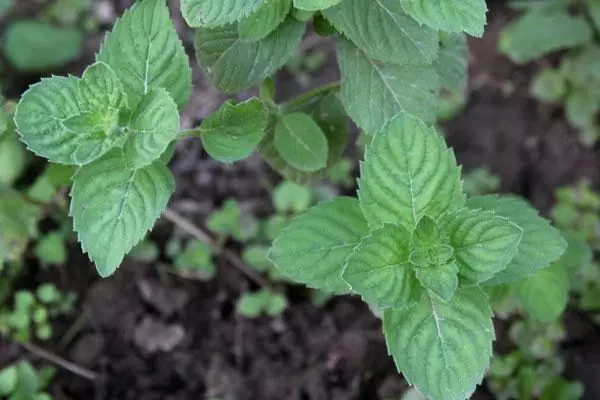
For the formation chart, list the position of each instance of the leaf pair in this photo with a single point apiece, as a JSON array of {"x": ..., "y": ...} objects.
[
  {"x": 413, "y": 244},
  {"x": 115, "y": 123}
]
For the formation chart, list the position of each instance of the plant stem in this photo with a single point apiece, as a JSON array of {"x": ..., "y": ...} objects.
[
  {"x": 61, "y": 362},
  {"x": 185, "y": 225},
  {"x": 311, "y": 94}
]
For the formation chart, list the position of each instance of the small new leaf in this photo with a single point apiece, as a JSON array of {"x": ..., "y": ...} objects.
[
  {"x": 152, "y": 126},
  {"x": 233, "y": 132},
  {"x": 484, "y": 243},
  {"x": 145, "y": 52},
  {"x": 213, "y": 13},
  {"x": 301, "y": 142},
  {"x": 441, "y": 280},
  {"x": 408, "y": 172},
  {"x": 442, "y": 348},
  {"x": 53, "y": 125},
  {"x": 541, "y": 244},
  {"x": 114, "y": 207},
  {"x": 382, "y": 30},
  {"x": 380, "y": 271},
  {"x": 100, "y": 91},
  {"x": 374, "y": 92},
  {"x": 450, "y": 16},
  {"x": 234, "y": 63},
  {"x": 312, "y": 249}
]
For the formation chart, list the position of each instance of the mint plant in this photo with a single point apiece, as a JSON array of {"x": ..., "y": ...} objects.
[{"x": 412, "y": 244}]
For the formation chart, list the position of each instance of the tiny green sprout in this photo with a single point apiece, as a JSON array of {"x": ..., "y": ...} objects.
[
  {"x": 291, "y": 198},
  {"x": 253, "y": 305},
  {"x": 231, "y": 221},
  {"x": 21, "y": 381},
  {"x": 196, "y": 261},
  {"x": 51, "y": 249}
]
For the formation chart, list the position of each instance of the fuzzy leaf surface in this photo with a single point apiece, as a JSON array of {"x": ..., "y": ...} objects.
[
  {"x": 313, "y": 248},
  {"x": 152, "y": 126},
  {"x": 52, "y": 124},
  {"x": 145, "y": 52},
  {"x": 442, "y": 348},
  {"x": 234, "y": 63},
  {"x": 301, "y": 142},
  {"x": 213, "y": 13},
  {"x": 233, "y": 132},
  {"x": 390, "y": 89},
  {"x": 101, "y": 91},
  {"x": 450, "y": 16},
  {"x": 113, "y": 207},
  {"x": 265, "y": 19},
  {"x": 383, "y": 31},
  {"x": 441, "y": 280},
  {"x": 408, "y": 172},
  {"x": 541, "y": 244},
  {"x": 484, "y": 243},
  {"x": 379, "y": 269}
]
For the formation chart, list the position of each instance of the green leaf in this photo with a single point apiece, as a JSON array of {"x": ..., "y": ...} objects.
[
  {"x": 101, "y": 92},
  {"x": 234, "y": 63},
  {"x": 50, "y": 249},
  {"x": 441, "y": 280},
  {"x": 18, "y": 223},
  {"x": 289, "y": 197},
  {"x": 233, "y": 132},
  {"x": 578, "y": 255},
  {"x": 379, "y": 270},
  {"x": 451, "y": 16},
  {"x": 152, "y": 127},
  {"x": 145, "y": 52},
  {"x": 40, "y": 116},
  {"x": 594, "y": 10},
  {"x": 265, "y": 19},
  {"x": 408, "y": 172},
  {"x": 9, "y": 377},
  {"x": 315, "y": 5},
  {"x": 561, "y": 389},
  {"x": 389, "y": 89},
  {"x": 213, "y": 13},
  {"x": 39, "y": 46},
  {"x": 328, "y": 113},
  {"x": 313, "y": 248},
  {"x": 540, "y": 32},
  {"x": 12, "y": 159},
  {"x": 442, "y": 348},
  {"x": 484, "y": 243},
  {"x": 251, "y": 305},
  {"x": 544, "y": 295},
  {"x": 452, "y": 63},
  {"x": 197, "y": 259},
  {"x": 382, "y": 30},
  {"x": 301, "y": 142},
  {"x": 541, "y": 244},
  {"x": 114, "y": 207},
  {"x": 277, "y": 303},
  {"x": 548, "y": 85},
  {"x": 581, "y": 107}
]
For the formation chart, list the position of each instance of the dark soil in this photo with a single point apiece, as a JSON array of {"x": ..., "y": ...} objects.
[{"x": 150, "y": 336}]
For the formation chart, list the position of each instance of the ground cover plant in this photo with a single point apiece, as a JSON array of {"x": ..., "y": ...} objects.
[{"x": 428, "y": 256}]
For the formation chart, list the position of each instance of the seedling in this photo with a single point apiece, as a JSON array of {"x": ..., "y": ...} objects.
[
  {"x": 547, "y": 27},
  {"x": 21, "y": 381}
]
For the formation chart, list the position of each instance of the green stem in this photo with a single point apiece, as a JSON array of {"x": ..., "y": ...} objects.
[{"x": 311, "y": 94}]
